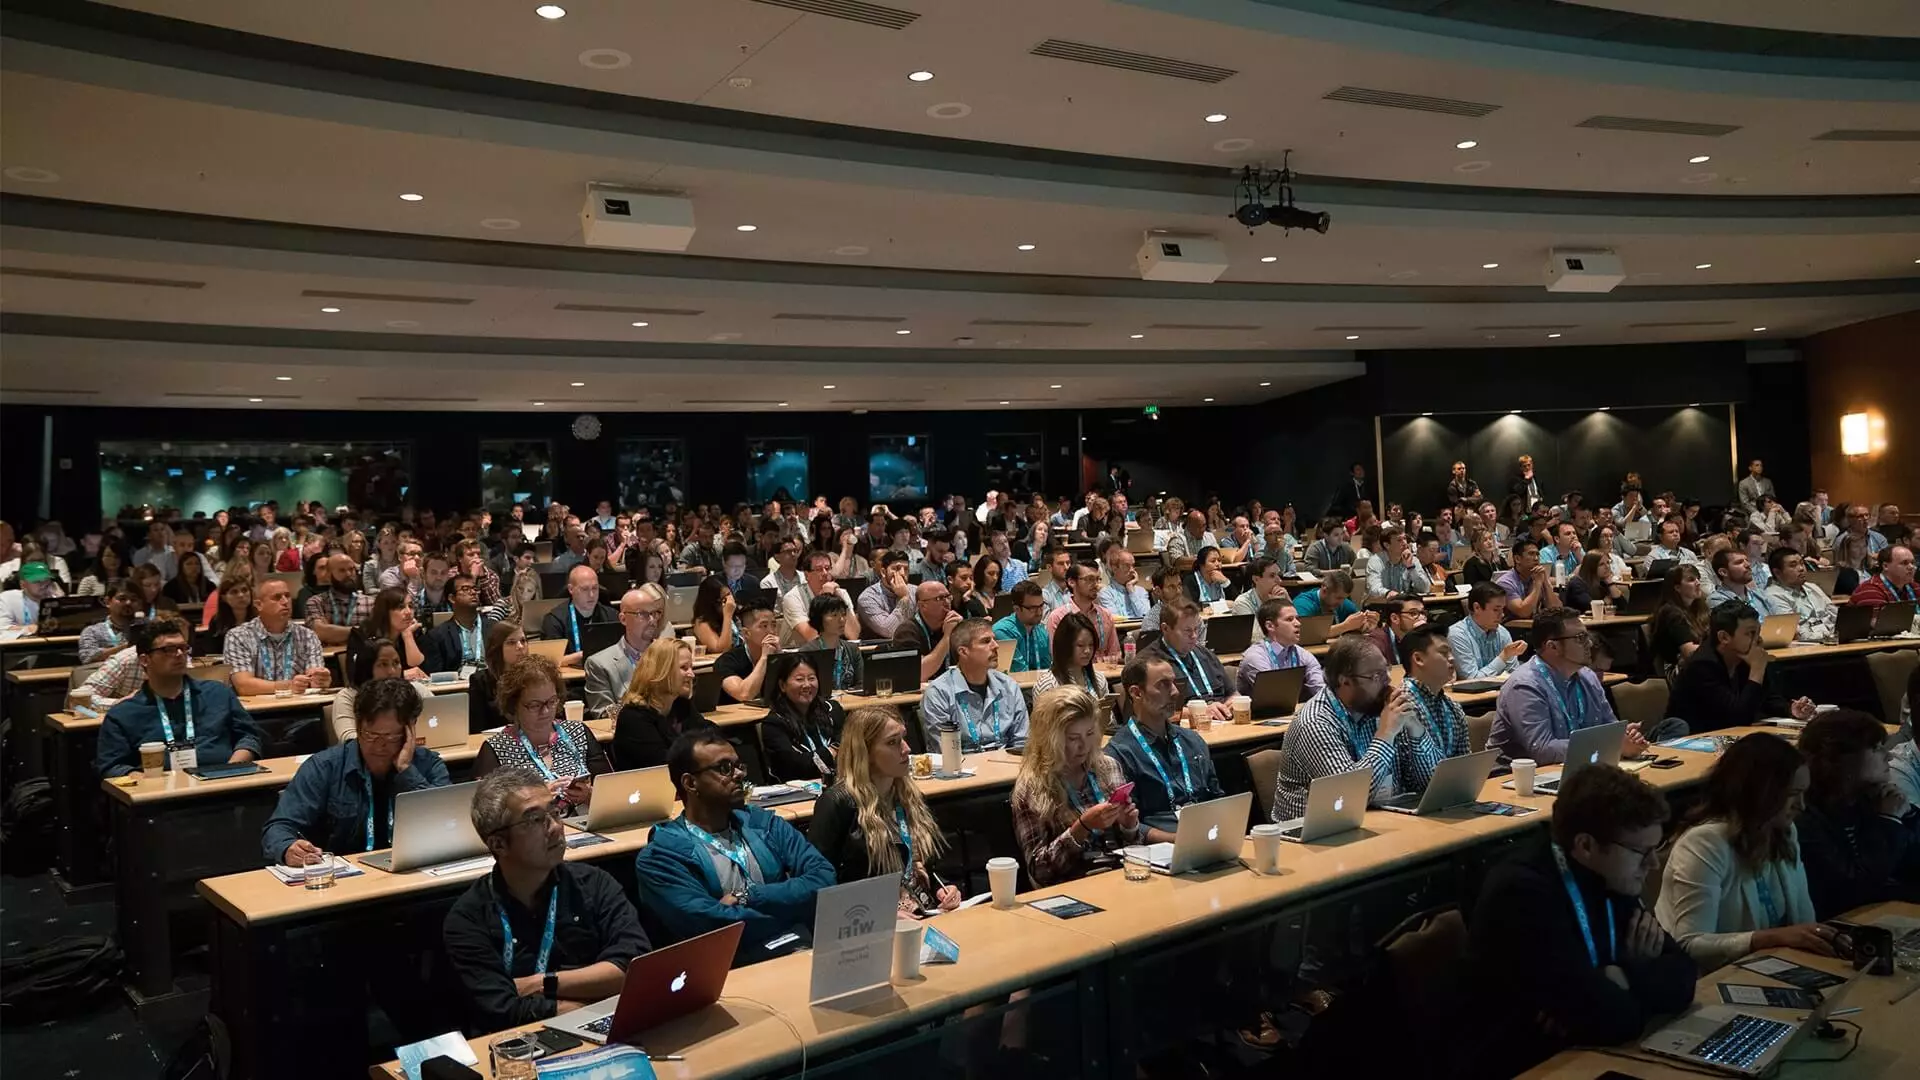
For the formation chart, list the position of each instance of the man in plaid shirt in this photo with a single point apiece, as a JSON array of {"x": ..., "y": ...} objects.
[
  {"x": 272, "y": 652},
  {"x": 333, "y": 614}
]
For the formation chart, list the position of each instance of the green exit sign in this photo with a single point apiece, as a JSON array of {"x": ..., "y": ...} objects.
[{"x": 1150, "y": 410}]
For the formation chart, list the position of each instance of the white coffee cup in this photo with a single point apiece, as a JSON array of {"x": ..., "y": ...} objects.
[
  {"x": 1196, "y": 712},
  {"x": 1003, "y": 875},
  {"x": 1523, "y": 768},
  {"x": 576, "y": 711},
  {"x": 907, "y": 935},
  {"x": 950, "y": 757},
  {"x": 1242, "y": 706},
  {"x": 1266, "y": 849},
  {"x": 1599, "y": 609}
]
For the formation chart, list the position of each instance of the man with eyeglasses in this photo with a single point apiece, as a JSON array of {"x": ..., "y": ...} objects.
[
  {"x": 460, "y": 643},
  {"x": 583, "y": 608},
  {"x": 1562, "y": 952},
  {"x": 927, "y": 630},
  {"x": 973, "y": 697},
  {"x": 341, "y": 799},
  {"x": 1198, "y": 673},
  {"x": 1554, "y": 695},
  {"x": 1083, "y": 581},
  {"x": 795, "y": 603},
  {"x": 1404, "y": 616},
  {"x": 642, "y": 612},
  {"x": 1123, "y": 595},
  {"x": 197, "y": 721},
  {"x": 1025, "y": 631},
  {"x": 1359, "y": 722},
  {"x": 538, "y": 936},
  {"x": 722, "y": 861}
]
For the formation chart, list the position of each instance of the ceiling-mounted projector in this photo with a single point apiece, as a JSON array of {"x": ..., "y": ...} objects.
[
  {"x": 644, "y": 221},
  {"x": 1180, "y": 257},
  {"x": 1583, "y": 271}
]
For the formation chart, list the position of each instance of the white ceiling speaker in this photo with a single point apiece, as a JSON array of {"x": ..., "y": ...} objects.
[
  {"x": 1583, "y": 271},
  {"x": 1167, "y": 256},
  {"x": 620, "y": 218}
]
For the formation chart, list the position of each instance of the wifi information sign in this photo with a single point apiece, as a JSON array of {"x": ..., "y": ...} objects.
[{"x": 853, "y": 937}]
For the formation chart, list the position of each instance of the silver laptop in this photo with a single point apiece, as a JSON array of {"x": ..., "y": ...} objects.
[
  {"x": 680, "y": 604},
  {"x": 430, "y": 827},
  {"x": 1456, "y": 781},
  {"x": 1588, "y": 746},
  {"x": 443, "y": 721},
  {"x": 1336, "y": 803},
  {"x": 624, "y": 799},
  {"x": 1726, "y": 1039},
  {"x": 1209, "y": 833}
]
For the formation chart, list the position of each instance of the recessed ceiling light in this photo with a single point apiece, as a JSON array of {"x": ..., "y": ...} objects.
[
  {"x": 577, "y": 384},
  {"x": 1053, "y": 386},
  {"x": 1136, "y": 337},
  {"x": 283, "y": 378},
  {"x": 830, "y": 386},
  {"x": 1703, "y": 266},
  {"x": 920, "y": 76},
  {"x": 1693, "y": 404},
  {"x": 550, "y": 11},
  {"x": 1426, "y": 414},
  {"x": 640, "y": 324},
  {"x": 613, "y": 60},
  {"x": 903, "y": 331},
  {"x": 1353, "y": 337},
  {"x": 539, "y": 403},
  {"x": 1269, "y": 258},
  {"x": 1465, "y": 144},
  {"x": 1206, "y": 399},
  {"x": 1217, "y": 118},
  {"x": 331, "y": 310},
  {"x": 1698, "y": 159},
  {"x": 1266, "y": 384},
  {"x": 1758, "y": 329},
  {"x": 410, "y": 196},
  {"x": 950, "y": 110},
  {"x": 1006, "y": 403},
  {"x": 1606, "y": 408},
  {"x": 783, "y": 404},
  {"x": 1024, "y": 247},
  {"x": 1553, "y": 335},
  {"x": 1489, "y": 266},
  {"x": 1513, "y": 412},
  {"x": 745, "y": 228},
  {"x": 256, "y": 400},
  {"x": 27, "y": 174}
]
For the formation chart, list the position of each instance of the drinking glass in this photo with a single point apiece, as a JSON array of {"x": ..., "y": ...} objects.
[
  {"x": 882, "y": 687},
  {"x": 513, "y": 1057},
  {"x": 319, "y": 871},
  {"x": 1137, "y": 868}
]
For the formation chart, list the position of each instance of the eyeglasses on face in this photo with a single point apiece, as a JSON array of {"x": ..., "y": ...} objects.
[
  {"x": 376, "y": 738},
  {"x": 170, "y": 650},
  {"x": 1644, "y": 853},
  {"x": 544, "y": 706},
  {"x": 538, "y": 819},
  {"x": 727, "y": 767}
]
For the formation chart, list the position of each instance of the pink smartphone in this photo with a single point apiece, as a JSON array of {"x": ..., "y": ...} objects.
[{"x": 1122, "y": 794}]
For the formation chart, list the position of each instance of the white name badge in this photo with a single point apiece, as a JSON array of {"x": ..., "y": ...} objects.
[
  {"x": 181, "y": 758},
  {"x": 467, "y": 670}
]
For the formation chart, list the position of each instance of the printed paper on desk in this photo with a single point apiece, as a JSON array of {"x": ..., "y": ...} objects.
[
  {"x": 452, "y": 1044},
  {"x": 606, "y": 1063},
  {"x": 853, "y": 937}
]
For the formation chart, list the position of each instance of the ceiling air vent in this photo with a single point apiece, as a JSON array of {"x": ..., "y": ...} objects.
[
  {"x": 622, "y": 309},
  {"x": 245, "y": 397},
  {"x": 1530, "y": 326},
  {"x": 809, "y": 317},
  {"x": 51, "y": 390},
  {"x": 771, "y": 402},
  {"x": 850, "y": 10},
  {"x": 1032, "y": 322},
  {"x": 1657, "y": 127},
  {"x": 1389, "y": 99},
  {"x": 101, "y": 279},
  {"x": 414, "y": 401},
  {"x": 1197, "y": 326},
  {"x": 384, "y": 298},
  {"x": 1869, "y": 135},
  {"x": 1147, "y": 64},
  {"x": 1373, "y": 329},
  {"x": 1676, "y": 325}
]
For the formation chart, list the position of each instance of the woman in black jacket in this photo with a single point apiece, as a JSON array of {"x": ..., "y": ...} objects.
[
  {"x": 506, "y": 645},
  {"x": 802, "y": 732},
  {"x": 1859, "y": 836},
  {"x": 1680, "y": 622},
  {"x": 873, "y": 821},
  {"x": 657, "y": 707}
]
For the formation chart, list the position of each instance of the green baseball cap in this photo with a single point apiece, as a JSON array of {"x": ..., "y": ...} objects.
[{"x": 35, "y": 571}]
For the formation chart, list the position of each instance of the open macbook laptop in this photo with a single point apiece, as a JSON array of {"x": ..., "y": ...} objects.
[
  {"x": 1726, "y": 1039},
  {"x": 1276, "y": 692},
  {"x": 1894, "y": 619},
  {"x": 1588, "y": 746},
  {"x": 1336, "y": 803},
  {"x": 1209, "y": 833},
  {"x": 1229, "y": 635},
  {"x": 430, "y": 827},
  {"x": 444, "y": 721},
  {"x": 627, "y": 798},
  {"x": 1456, "y": 781},
  {"x": 662, "y": 985},
  {"x": 1776, "y": 631},
  {"x": 1852, "y": 623},
  {"x": 1315, "y": 628}
]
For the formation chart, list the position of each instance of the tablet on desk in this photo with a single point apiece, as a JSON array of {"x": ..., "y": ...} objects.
[{"x": 224, "y": 772}]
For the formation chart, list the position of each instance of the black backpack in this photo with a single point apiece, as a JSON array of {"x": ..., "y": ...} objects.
[
  {"x": 57, "y": 979},
  {"x": 27, "y": 826}
]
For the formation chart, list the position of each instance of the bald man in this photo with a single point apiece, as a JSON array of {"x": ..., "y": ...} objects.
[
  {"x": 926, "y": 630},
  {"x": 643, "y": 611}
]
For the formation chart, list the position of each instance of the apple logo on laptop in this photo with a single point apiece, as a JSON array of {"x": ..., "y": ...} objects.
[
  {"x": 1593, "y": 758},
  {"x": 633, "y": 798},
  {"x": 433, "y": 721},
  {"x": 679, "y": 983},
  {"x": 1213, "y": 833},
  {"x": 1339, "y": 804}
]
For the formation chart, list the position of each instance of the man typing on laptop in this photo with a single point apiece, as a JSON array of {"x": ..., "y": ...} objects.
[
  {"x": 1358, "y": 723},
  {"x": 539, "y": 935},
  {"x": 1554, "y": 695}
]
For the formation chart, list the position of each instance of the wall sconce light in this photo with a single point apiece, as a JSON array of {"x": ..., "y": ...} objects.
[{"x": 1854, "y": 439}]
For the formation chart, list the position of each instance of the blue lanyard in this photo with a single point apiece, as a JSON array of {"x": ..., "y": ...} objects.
[
  {"x": 573, "y": 627},
  {"x": 1573, "y": 699},
  {"x": 470, "y": 647},
  {"x": 1074, "y": 798},
  {"x": 333, "y": 608},
  {"x": 186, "y": 707},
  {"x": 1488, "y": 646},
  {"x": 1767, "y": 907},
  {"x": 1896, "y": 593},
  {"x": 283, "y": 668},
  {"x": 1174, "y": 796},
  {"x": 1202, "y": 684},
  {"x": 1580, "y": 912},
  {"x": 1206, "y": 591},
  {"x": 735, "y": 855},
  {"x": 546, "y": 938},
  {"x": 369, "y": 847},
  {"x": 840, "y": 666},
  {"x": 1356, "y": 742},
  {"x": 1293, "y": 656},
  {"x": 992, "y": 713},
  {"x": 906, "y": 840},
  {"x": 559, "y": 736},
  {"x": 1441, "y": 725},
  {"x": 1029, "y": 645}
]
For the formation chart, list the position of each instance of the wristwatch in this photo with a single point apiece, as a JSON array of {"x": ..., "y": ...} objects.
[{"x": 550, "y": 986}]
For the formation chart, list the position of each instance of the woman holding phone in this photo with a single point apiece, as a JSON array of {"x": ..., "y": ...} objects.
[{"x": 1070, "y": 810}]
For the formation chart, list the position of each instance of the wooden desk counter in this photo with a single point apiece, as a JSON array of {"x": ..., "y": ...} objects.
[
  {"x": 1796, "y": 651},
  {"x": 39, "y": 676},
  {"x": 1887, "y": 1035},
  {"x": 51, "y": 641}
]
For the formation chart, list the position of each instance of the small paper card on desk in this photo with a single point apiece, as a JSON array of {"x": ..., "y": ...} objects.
[
  {"x": 1770, "y": 997},
  {"x": 1699, "y": 744},
  {"x": 297, "y": 875},
  {"x": 586, "y": 839},
  {"x": 1499, "y": 809},
  {"x": 1793, "y": 974},
  {"x": 1064, "y": 907},
  {"x": 452, "y": 1044},
  {"x": 938, "y": 948}
]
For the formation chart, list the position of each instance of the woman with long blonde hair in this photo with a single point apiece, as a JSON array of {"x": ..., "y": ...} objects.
[
  {"x": 658, "y": 705},
  {"x": 1063, "y": 809},
  {"x": 874, "y": 820}
]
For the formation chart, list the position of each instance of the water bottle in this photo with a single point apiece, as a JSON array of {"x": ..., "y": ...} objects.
[{"x": 1129, "y": 646}]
